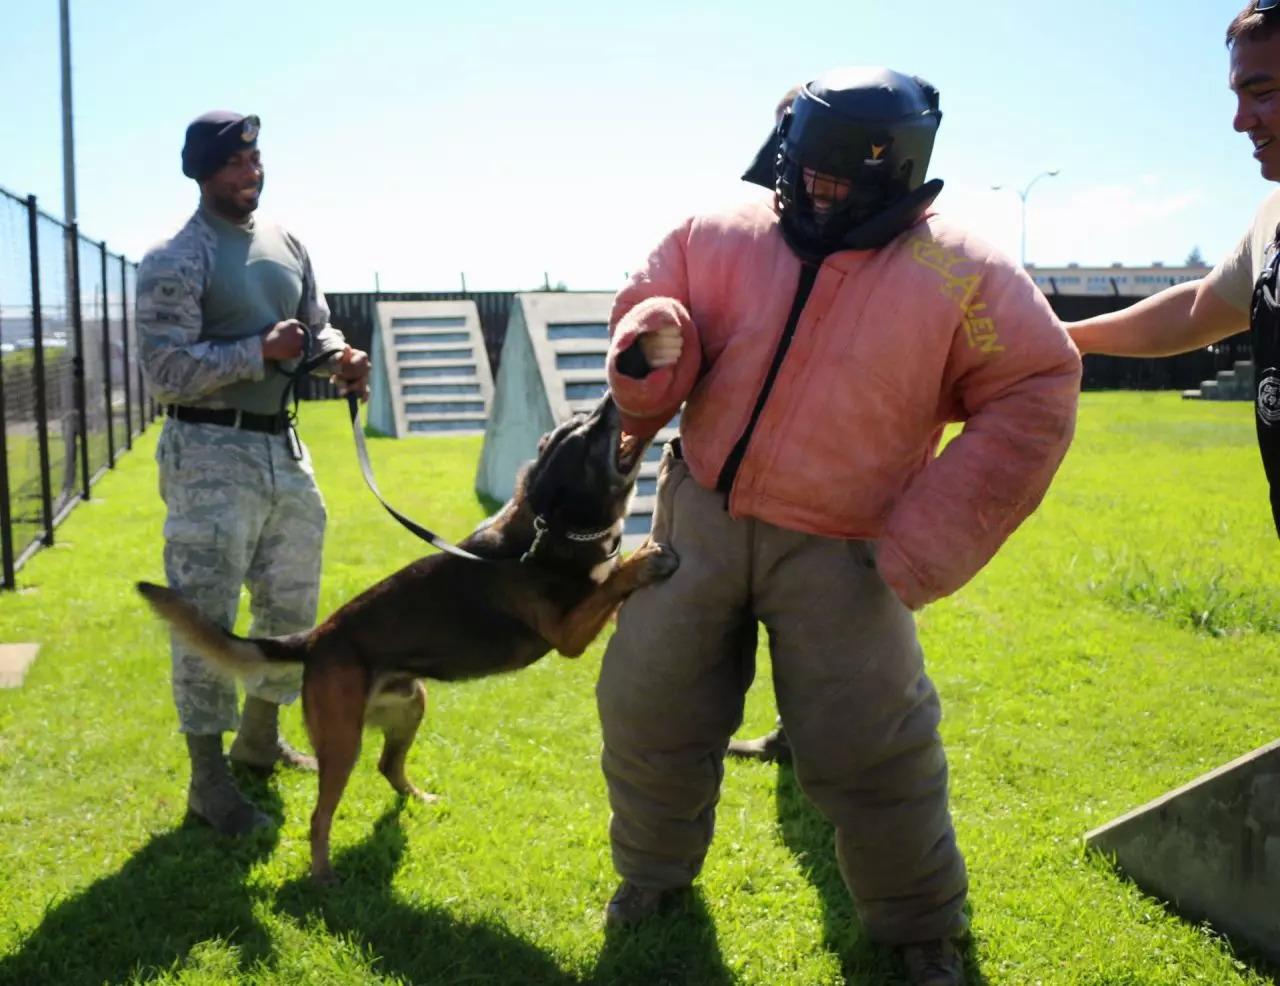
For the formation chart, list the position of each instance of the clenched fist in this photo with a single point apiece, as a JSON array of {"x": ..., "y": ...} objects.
[
  {"x": 662, "y": 347},
  {"x": 352, "y": 373},
  {"x": 283, "y": 341}
]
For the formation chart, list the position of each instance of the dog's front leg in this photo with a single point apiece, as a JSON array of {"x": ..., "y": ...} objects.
[{"x": 572, "y": 633}]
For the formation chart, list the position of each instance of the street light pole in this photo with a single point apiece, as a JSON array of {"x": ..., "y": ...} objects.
[
  {"x": 68, "y": 136},
  {"x": 1023, "y": 196}
]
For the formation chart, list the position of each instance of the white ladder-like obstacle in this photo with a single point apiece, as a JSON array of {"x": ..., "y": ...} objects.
[
  {"x": 552, "y": 365},
  {"x": 431, "y": 372}
]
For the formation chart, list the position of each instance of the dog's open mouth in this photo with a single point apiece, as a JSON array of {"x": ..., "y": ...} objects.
[{"x": 630, "y": 449}]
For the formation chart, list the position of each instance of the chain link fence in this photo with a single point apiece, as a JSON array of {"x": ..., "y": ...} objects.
[{"x": 72, "y": 395}]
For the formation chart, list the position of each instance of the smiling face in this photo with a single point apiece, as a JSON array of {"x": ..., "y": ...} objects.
[
  {"x": 232, "y": 191},
  {"x": 825, "y": 192},
  {"x": 1255, "y": 79}
]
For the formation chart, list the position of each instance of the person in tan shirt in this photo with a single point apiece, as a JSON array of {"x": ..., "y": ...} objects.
[{"x": 1239, "y": 292}]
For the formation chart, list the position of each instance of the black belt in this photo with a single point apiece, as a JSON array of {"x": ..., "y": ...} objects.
[{"x": 272, "y": 424}]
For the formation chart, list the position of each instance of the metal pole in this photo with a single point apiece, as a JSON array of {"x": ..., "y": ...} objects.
[
  {"x": 77, "y": 361},
  {"x": 124, "y": 353},
  {"x": 42, "y": 399},
  {"x": 106, "y": 360},
  {"x": 144, "y": 398},
  {"x": 1022, "y": 195},
  {"x": 69, "y": 217},
  {"x": 6, "y": 515},
  {"x": 68, "y": 134}
]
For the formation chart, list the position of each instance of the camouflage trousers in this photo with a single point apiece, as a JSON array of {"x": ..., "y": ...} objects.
[{"x": 240, "y": 512}]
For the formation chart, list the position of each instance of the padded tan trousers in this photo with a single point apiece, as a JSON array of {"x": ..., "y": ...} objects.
[{"x": 861, "y": 714}]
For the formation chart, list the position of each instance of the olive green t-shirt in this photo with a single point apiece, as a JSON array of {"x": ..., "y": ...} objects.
[{"x": 204, "y": 299}]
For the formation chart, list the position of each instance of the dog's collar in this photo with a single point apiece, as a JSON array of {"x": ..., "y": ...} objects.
[{"x": 541, "y": 529}]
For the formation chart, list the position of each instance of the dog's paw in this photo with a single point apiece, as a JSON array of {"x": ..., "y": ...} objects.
[{"x": 660, "y": 562}]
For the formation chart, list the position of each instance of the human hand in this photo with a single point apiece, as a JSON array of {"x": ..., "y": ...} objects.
[
  {"x": 352, "y": 373},
  {"x": 284, "y": 340},
  {"x": 663, "y": 346}
]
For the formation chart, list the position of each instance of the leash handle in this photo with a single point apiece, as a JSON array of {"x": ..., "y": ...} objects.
[{"x": 362, "y": 453}]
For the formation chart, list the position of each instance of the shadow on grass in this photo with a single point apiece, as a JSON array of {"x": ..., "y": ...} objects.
[
  {"x": 182, "y": 888},
  {"x": 417, "y": 943},
  {"x": 810, "y": 837},
  {"x": 674, "y": 947},
  {"x": 424, "y": 944}
]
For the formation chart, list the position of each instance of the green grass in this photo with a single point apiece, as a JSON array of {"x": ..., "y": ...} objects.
[{"x": 1077, "y": 680}]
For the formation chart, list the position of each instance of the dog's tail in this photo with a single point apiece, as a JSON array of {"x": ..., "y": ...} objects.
[{"x": 235, "y": 655}]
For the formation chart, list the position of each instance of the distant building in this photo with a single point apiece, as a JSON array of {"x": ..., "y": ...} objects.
[{"x": 1115, "y": 280}]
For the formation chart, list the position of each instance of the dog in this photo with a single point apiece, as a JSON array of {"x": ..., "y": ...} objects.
[{"x": 550, "y": 577}]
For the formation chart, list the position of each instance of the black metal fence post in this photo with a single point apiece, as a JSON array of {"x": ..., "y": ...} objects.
[
  {"x": 144, "y": 398},
  {"x": 77, "y": 361},
  {"x": 106, "y": 359},
  {"x": 124, "y": 352},
  {"x": 37, "y": 344},
  {"x": 6, "y": 515}
]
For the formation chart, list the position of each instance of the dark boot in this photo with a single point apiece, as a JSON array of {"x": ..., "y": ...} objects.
[
  {"x": 771, "y": 746},
  {"x": 213, "y": 796},
  {"x": 934, "y": 963},
  {"x": 259, "y": 745},
  {"x": 630, "y": 905}
]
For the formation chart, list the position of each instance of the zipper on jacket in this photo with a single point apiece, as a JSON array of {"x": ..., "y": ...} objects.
[{"x": 808, "y": 275}]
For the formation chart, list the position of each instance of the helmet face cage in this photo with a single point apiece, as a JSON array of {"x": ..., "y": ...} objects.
[{"x": 881, "y": 160}]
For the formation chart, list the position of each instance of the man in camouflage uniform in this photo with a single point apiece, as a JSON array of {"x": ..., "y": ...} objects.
[{"x": 223, "y": 311}]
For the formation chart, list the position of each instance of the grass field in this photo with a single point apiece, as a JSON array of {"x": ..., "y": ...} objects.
[{"x": 1125, "y": 641}]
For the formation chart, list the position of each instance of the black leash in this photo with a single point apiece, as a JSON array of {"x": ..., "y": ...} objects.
[
  {"x": 362, "y": 453},
  {"x": 309, "y": 364},
  {"x": 312, "y": 362}
]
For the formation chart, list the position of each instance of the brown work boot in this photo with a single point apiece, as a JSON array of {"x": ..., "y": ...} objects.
[
  {"x": 630, "y": 905},
  {"x": 771, "y": 746},
  {"x": 213, "y": 797},
  {"x": 259, "y": 745},
  {"x": 934, "y": 963}
]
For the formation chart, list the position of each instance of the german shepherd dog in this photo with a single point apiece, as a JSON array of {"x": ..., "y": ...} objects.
[{"x": 550, "y": 578}]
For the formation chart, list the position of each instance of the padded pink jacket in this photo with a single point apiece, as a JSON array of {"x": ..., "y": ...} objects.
[{"x": 891, "y": 346}]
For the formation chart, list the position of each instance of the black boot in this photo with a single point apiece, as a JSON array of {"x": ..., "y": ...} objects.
[
  {"x": 771, "y": 746},
  {"x": 259, "y": 745},
  {"x": 213, "y": 796}
]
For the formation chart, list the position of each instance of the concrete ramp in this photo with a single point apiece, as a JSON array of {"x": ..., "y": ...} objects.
[
  {"x": 1211, "y": 849},
  {"x": 553, "y": 365},
  {"x": 430, "y": 370}
]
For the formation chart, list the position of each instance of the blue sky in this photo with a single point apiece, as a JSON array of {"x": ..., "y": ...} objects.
[{"x": 420, "y": 140}]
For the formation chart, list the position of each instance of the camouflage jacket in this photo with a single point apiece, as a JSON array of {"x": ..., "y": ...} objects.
[{"x": 204, "y": 299}]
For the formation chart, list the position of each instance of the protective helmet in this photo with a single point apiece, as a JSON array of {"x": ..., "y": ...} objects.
[{"x": 870, "y": 127}]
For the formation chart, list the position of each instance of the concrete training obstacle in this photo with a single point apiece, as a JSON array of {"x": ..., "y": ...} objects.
[
  {"x": 553, "y": 364},
  {"x": 1210, "y": 849},
  {"x": 430, "y": 370}
]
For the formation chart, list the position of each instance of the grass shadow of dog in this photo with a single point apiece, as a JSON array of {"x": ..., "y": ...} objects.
[
  {"x": 811, "y": 839},
  {"x": 421, "y": 944},
  {"x": 182, "y": 888},
  {"x": 429, "y": 945}
]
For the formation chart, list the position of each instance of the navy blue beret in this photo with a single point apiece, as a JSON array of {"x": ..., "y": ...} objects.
[{"x": 213, "y": 137}]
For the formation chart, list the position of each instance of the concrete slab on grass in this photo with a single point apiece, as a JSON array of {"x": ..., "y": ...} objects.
[
  {"x": 14, "y": 661},
  {"x": 1211, "y": 849}
]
